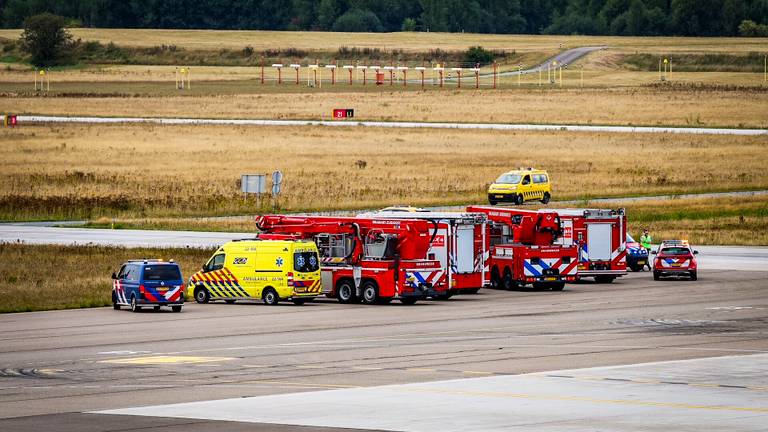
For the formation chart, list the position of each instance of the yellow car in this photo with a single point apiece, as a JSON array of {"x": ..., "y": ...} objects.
[
  {"x": 520, "y": 186},
  {"x": 267, "y": 270}
]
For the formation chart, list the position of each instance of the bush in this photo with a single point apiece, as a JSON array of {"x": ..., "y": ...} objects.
[
  {"x": 46, "y": 39},
  {"x": 750, "y": 28},
  {"x": 479, "y": 55},
  {"x": 409, "y": 25},
  {"x": 358, "y": 20}
]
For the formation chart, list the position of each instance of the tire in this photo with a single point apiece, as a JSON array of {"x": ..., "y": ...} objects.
[
  {"x": 115, "y": 306},
  {"x": 492, "y": 202},
  {"x": 656, "y": 276},
  {"x": 635, "y": 267},
  {"x": 270, "y": 297},
  {"x": 604, "y": 279},
  {"x": 694, "y": 276},
  {"x": 134, "y": 305},
  {"x": 345, "y": 291},
  {"x": 545, "y": 199},
  {"x": 298, "y": 301},
  {"x": 370, "y": 292},
  {"x": 409, "y": 300},
  {"x": 495, "y": 278},
  {"x": 202, "y": 295},
  {"x": 176, "y": 308},
  {"x": 230, "y": 301},
  {"x": 508, "y": 283},
  {"x": 519, "y": 200}
]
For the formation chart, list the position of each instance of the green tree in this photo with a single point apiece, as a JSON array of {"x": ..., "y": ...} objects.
[
  {"x": 46, "y": 39},
  {"x": 327, "y": 12},
  {"x": 734, "y": 12},
  {"x": 357, "y": 20},
  {"x": 409, "y": 25}
]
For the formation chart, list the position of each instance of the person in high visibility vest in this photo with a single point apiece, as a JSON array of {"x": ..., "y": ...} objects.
[{"x": 645, "y": 242}]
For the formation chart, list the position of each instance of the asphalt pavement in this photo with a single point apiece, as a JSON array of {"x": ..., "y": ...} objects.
[{"x": 522, "y": 359}]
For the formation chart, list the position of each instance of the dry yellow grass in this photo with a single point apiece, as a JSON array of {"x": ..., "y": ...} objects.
[
  {"x": 326, "y": 41},
  {"x": 649, "y": 106},
  {"x": 171, "y": 171}
]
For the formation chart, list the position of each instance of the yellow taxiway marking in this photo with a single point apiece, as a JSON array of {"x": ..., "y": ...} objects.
[
  {"x": 420, "y": 370},
  {"x": 156, "y": 360},
  {"x": 584, "y": 399}
]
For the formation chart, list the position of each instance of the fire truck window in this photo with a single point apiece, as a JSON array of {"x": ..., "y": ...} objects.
[{"x": 526, "y": 180}]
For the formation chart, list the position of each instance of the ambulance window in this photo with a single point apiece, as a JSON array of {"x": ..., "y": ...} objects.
[
  {"x": 305, "y": 262},
  {"x": 527, "y": 180},
  {"x": 217, "y": 263}
]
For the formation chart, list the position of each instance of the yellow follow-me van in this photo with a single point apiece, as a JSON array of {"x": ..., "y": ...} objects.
[
  {"x": 267, "y": 270},
  {"x": 519, "y": 186}
]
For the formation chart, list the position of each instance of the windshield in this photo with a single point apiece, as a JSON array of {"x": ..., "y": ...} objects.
[
  {"x": 509, "y": 179},
  {"x": 305, "y": 262},
  {"x": 162, "y": 272},
  {"x": 675, "y": 251}
]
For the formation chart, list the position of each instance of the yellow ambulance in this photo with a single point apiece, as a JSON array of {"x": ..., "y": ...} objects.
[
  {"x": 519, "y": 186},
  {"x": 266, "y": 270}
]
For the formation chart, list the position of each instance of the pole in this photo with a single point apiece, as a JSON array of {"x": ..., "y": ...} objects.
[
  {"x": 670, "y": 67},
  {"x": 459, "y": 75},
  {"x": 422, "y": 79},
  {"x": 477, "y": 75},
  {"x": 495, "y": 68}
]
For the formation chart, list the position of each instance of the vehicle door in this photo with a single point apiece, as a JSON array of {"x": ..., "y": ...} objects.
[
  {"x": 131, "y": 281},
  {"x": 118, "y": 285},
  {"x": 538, "y": 186},
  {"x": 216, "y": 286},
  {"x": 525, "y": 187}
]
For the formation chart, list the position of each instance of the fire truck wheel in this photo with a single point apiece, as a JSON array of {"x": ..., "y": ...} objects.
[
  {"x": 408, "y": 300},
  {"x": 545, "y": 199},
  {"x": 345, "y": 291},
  {"x": 508, "y": 282},
  {"x": 201, "y": 295},
  {"x": 604, "y": 279},
  {"x": 370, "y": 292},
  {"x": 270, "y": 297},
  {"x": 495, "y": 278}
]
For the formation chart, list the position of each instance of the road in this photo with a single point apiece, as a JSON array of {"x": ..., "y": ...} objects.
[
  {"x": 564, "y": 58},
  {"x": 582, "y": 359}
]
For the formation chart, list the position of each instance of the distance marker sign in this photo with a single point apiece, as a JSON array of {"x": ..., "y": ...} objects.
[{"x": 342, "y": 113}]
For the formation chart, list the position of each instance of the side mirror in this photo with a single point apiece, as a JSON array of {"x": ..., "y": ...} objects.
[
  {"x": 695, "y": 252},
  {"x": 114, "y": 276}
]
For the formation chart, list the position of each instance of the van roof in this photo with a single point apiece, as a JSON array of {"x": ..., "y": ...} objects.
[{"x": 526, "y": 171}]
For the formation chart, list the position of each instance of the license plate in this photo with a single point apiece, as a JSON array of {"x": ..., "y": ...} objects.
[
  {"x": 299, "y": 290},
  {"x": 550, "y": 279},
  {"x": 499, "y": 196},
  {"x": 162, "y": 290},
  {"x": 641, "y": 262},
  {"x": 676, "y": 265}
]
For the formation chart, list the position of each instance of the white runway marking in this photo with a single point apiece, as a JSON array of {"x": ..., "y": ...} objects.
[
  {"x": 705, "y": 394},
  {"x": 399, "y": 124}
]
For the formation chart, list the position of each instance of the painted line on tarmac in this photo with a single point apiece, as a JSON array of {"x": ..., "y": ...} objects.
[{"x": 398, "y": 124}]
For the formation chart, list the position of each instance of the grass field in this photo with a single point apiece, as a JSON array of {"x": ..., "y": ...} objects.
[
  {"x": 34, "y": 277},
  {"x": 322, "y": 41},
  {"x": 89, "y": 171},
  {"x": 675, "y": 106}
]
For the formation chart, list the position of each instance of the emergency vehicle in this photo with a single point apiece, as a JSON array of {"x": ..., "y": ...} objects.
[
  {"x": 274, "y": 270},
  {"x": 601, "y": 236},
  {"x": 148, "y": 283},
  {"x": 675, "y": 258},
  {"x": 637, "y": 255},
  {"x": 366, "y": 259},
  {"x": 519, "y": 186},
  {"x": 524, "y": 249},
  {"x": 461, "y": 244}
]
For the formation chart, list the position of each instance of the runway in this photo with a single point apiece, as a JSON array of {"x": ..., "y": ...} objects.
[{"x": 480, "y": 362}]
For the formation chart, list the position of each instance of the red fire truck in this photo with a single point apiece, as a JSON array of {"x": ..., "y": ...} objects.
[
  {"x": 524, "y": 251},
  {"x": 366, "y": 259},
  {"x": 601, "y": 236},
  {"x": 461, "y": 245}
]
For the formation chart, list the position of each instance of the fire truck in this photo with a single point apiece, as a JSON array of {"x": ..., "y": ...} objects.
[
  {"x": 366, "y": 259},
  {"x": 461, "y": 245},
  {"x": 601, "y": 236},
  {"x": 524, "y": 249}
]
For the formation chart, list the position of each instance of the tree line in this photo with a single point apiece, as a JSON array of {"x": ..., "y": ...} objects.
[{"x": 564, "y": 17}]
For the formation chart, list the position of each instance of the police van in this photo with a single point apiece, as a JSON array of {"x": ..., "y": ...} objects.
[
  {"x": 520, "y": 186},
  {"x": 266, "y": 270},
  {"x": 148, "y": 283}
]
